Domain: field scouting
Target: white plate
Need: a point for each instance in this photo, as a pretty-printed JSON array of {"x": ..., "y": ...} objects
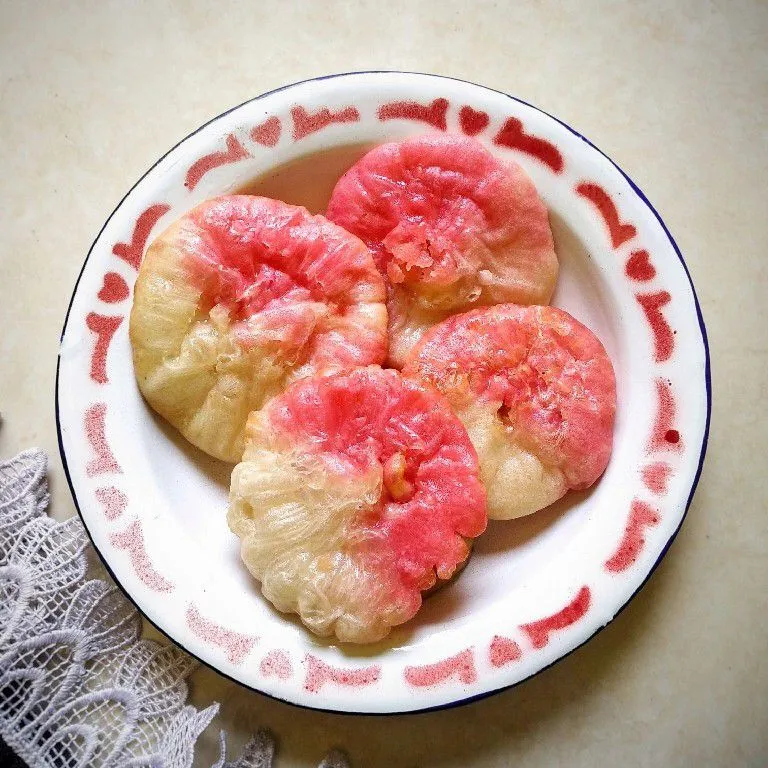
[{"x": 535, "y": 588}]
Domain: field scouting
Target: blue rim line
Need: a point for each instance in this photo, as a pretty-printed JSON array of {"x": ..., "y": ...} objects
[{"x": 484, "y": 694}]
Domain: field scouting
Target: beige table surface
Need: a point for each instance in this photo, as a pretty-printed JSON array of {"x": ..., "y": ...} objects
[{"x": 91, "y": 93}]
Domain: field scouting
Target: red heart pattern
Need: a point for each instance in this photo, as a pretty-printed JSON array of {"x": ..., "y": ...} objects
[
  {"x": 276, "y": 664},
  {"x": 639, "y": 266},
  {"x": 656, "y": 476},
  {"x": 268, "y": 132},
  {"x": 473, "y": 122},
  {"x": 503, "y": 651},
  {"x": 114, "y": 288}
]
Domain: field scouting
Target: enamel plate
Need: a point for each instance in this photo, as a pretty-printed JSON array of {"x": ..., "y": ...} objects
[{"x": 535, "y": 588}]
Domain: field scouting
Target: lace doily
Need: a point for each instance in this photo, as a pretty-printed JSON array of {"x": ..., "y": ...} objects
[{"x": 78, "y": 687}]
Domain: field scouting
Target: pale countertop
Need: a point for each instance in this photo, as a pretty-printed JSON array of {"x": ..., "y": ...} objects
[{"x": 677, "y": 93}]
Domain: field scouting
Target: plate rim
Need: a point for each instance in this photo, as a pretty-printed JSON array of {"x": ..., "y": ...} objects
[{"x": 483, "y": 694}]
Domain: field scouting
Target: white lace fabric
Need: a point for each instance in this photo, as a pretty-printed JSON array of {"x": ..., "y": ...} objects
[{"x": 78, "y": 687}]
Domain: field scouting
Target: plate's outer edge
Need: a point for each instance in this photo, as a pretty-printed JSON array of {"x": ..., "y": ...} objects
[{"x": 641, "y": 196}]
